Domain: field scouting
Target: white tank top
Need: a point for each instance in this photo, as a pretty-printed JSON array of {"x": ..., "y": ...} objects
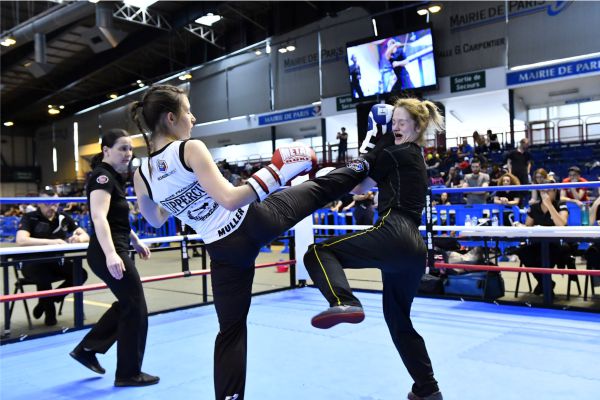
[{"x": 174, "y": 186}]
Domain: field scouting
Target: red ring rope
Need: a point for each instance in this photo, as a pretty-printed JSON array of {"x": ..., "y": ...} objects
[{"x": 98, "y": 286}]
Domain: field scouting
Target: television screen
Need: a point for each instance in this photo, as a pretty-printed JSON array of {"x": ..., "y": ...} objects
[{"x": 379, "y": 66}]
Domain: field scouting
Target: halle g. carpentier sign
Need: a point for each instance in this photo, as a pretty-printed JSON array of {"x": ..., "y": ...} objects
[{"x": 557, "y": 71}]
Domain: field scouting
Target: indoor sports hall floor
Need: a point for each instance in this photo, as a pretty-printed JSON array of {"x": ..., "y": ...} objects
[{"x": 479, "y": 350}]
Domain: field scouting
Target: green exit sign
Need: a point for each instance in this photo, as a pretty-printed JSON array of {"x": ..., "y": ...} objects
[{"x": 472, "y": 81}]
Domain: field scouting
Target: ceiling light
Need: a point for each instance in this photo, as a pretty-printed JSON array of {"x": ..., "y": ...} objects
[
  {"x": 53, "y": 111},
  {"x": 94, "y": 1},
  {"x": 291, "y": 47},
  {"x": 268, "y": 49},
  {"x": 138, "y": 81},
  {"x": 8, "y": 41},
  {"x": 435, "y": 8},
  {"x": 422, "y": 11},
  {"x": 282, "y": 50},
  {"x": 61, "y": 107},
  {"x": 209, "y": 19},
  {"x": 113, "y": 95},
  {"x": 9, "y": 123},
  {"x": 258, "y": 52},
  {"x": 185, "y": 77},
  {"x": 141, "y": 84},
  {"x": 143, "y": 4}
]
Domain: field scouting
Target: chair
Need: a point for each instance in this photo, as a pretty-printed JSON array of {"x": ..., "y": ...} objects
[
  {"x": 572, "y": 278},
  {"x": 519, "y": 281},
  {"x": 21, "y": 282}
]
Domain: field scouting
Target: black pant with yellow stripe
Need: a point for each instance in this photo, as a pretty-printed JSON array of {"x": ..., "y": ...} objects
[{"x": 395, "y": 246}]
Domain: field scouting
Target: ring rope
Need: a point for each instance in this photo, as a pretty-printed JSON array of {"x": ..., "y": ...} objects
[{"x": 98, "y": 286}]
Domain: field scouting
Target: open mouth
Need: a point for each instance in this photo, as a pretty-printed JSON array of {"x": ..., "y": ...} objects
[{"x": 398, "y": 135}]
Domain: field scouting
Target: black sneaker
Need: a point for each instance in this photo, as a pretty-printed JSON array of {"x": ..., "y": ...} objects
[
  {"x": 338, "y": 314},
  {"x": 434, "y": 396},
  {"x": 87, "y": 359},
  {"x": 38, "y": 311},
  {"x": 143, "y": 379}
]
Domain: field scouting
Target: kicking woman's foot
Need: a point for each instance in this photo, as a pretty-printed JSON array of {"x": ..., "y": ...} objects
[{"x": 338, "y": 314}]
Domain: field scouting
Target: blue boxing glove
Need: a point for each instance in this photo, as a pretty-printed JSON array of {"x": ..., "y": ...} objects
[{"x": 379, "y": 123}]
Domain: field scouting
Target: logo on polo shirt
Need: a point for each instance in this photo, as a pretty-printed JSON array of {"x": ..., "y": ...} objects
[
  {"x": 102, "y": 179},
  {"x": 162, "y": 165}
]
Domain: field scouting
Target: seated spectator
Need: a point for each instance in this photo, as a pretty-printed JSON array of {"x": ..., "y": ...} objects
[
  {"x": 539, "y": 176},
  {"x": 465, "y": 149},
  {"x": 454, "y": 177},
  {"x": 548, "y": 212},
  {"x": 574, "y": 195},
  {"x": 47, "y": 226},
  {"x": 364, "y": 210},
  {"x": 433, "y": 164},
  {"x": 507, "y": 198},
  {"x": 476, "y": 179},
  {"x": 495, "y": 174},
  {"x": 592, "y": 254},
  {"x": 443, "y": 201}
]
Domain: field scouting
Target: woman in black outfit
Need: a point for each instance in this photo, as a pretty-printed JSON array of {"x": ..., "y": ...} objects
[
  {"x": 126, "y": 322},
  {"x": 550, "y": 211},
  {"x": 393, "y": 244}
]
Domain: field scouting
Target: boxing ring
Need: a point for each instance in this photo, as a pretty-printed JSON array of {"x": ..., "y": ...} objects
[{"x": 480, "y": 350}]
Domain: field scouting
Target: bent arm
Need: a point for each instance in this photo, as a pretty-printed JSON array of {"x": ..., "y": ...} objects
[
  {"x": 152, "y": 212},
  {"x": 197, "y": 156},
  {"x": 24, "y": 238}
]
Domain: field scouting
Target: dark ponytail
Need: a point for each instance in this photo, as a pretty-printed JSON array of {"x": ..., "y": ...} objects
[
  {"x": 146, "y": 114},
  {"x": 108, "y": 139}
]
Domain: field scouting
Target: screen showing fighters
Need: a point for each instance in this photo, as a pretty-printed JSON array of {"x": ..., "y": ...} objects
[{"x": 392, "y": 64}]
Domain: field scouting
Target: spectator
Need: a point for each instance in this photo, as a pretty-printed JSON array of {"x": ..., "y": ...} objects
[
  {"x": 507, "y": 198},
  {"x": 342, "y": 145},
  {"x": 539, "y": 176},
  {"x": 47, "y": 226},
  {"x": 519, "y": 162},
  {"x": 548, "y": 212},
  {"x": 454, "y": 178},
  {"x": 479, "y": 142},
  {"x": 495, "y": 174},
  {"x": 592, "y": 254},
  {"x": 364, "y": 208},
  {"x": 574, "y": 195},
  {"x": 476, "y": 179},
  {"x": 444, "y": 200},
  {"x": 493, "y": 141},
  {"x": 465, "y": 149},
  {"x": 433, "y": 164}
]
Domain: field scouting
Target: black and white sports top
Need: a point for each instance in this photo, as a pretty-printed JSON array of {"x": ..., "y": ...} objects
[{"x": 174, "y": 186}]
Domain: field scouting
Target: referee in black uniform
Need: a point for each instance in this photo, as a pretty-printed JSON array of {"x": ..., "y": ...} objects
[
  {"x": 126, "y": 322},
  {"x": 393, "y": 244},
  {"x": 47, "y": 226}
]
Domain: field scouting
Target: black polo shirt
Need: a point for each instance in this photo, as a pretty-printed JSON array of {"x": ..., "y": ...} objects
[
  {"x": 104, "y": 177},
  {"x": 41, "y": 227},
  {"x": 401, "y": 176},
  {"x": 544, "y": 218}
]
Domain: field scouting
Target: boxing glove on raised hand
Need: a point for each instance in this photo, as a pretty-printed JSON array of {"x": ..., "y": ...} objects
[
  {"x": 287, "y": 162},
  {"x": 379, "y": 123}
]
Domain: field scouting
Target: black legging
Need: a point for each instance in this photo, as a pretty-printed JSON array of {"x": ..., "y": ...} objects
[
  {"x": 126, "y": 321},
  {"x": 395, "y": 246},
  {"x": 232, "y": 267}
]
